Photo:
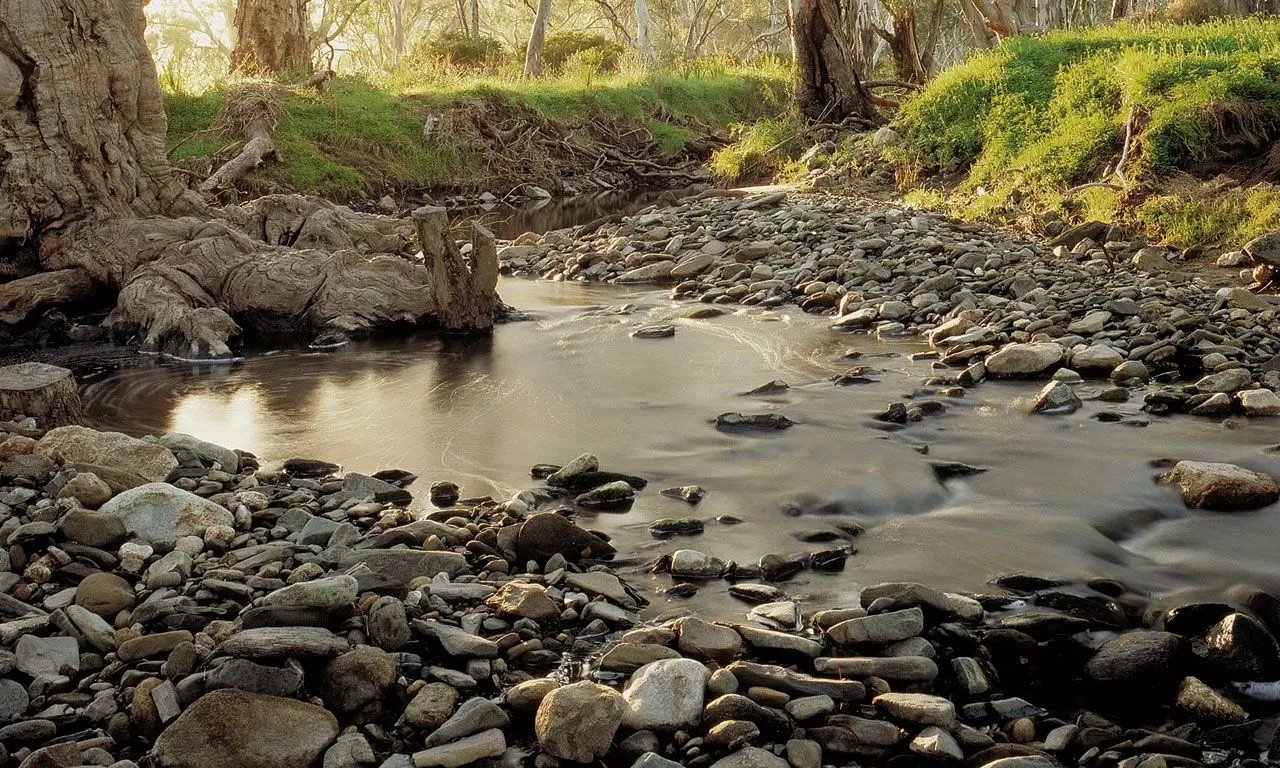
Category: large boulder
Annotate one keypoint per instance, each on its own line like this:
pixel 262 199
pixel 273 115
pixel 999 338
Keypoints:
pixel 1139 662
pixel 546 534
pixel 162 514
pixel 1222 487
pixel 1016 360
pixel 577 722
pixel 248 730
pixel 83 446
pixel 665 695
pixel 1265 249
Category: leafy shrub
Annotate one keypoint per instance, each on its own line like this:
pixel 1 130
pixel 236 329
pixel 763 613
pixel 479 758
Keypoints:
pixel 464 51
pixel 1194 11
pixel 598 50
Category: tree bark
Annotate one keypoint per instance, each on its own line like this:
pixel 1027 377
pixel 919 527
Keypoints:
pixel 826 49
pixel 87 196
pixel 46 392
pixel 1119 9
pixel 644 43
pixel 272 39
pixel 537 36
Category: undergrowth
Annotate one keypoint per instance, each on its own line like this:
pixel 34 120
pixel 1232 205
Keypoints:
pixel 357 138
pixel 1031 120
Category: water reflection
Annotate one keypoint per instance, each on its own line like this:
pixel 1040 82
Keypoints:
pixel 1065 496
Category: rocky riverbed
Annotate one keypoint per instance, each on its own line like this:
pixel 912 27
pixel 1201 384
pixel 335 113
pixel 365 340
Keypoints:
pixel 1091 302
pixel 172 602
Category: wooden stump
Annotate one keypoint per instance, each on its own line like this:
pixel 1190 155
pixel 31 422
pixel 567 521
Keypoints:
pixel 46 392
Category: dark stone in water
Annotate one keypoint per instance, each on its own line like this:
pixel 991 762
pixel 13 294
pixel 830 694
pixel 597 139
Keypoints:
pixel 829 560
pixel 756 594
pixel 729 520
pixel 289 616
pixel 1239 648
pixel 1044 625
pixel 772 388
pixel 1096 609
pixel 682 590
pixel 543 471
pixel 330 340
pixel 853 376
pixel 945 470
pixel 654 332
pixel 1024 583
pixel 357 486
pixel 687 493
pixel 1109 417
pixel 400 478
pixel 894 414
pixel 310 468
pixel 586 481
pixel 737 422
pixel 1145 662
pixel 444 493
pixel 1195 618
pixel 816 537
pixel 779 567
pixel 673 526
pixel 547 533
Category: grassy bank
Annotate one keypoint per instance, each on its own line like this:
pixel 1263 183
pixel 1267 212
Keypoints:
pixel 357 139
pixel 1023 126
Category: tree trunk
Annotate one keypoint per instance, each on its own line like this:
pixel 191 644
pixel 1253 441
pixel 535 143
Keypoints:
pixel 271 39
pixel 86 194
pixel 828 85
pixel 45 392
pixel 537 36
pixel 475 18
pixel 1119 9
pixel 82 122
pixel 644 44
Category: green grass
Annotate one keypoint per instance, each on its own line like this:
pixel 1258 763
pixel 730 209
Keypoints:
pixel 1041 115
pixel 357 138
pixel 763 150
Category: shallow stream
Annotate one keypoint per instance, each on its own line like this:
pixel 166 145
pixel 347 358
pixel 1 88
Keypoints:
pixel 1065 496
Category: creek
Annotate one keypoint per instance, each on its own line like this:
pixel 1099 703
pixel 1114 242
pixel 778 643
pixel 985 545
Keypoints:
pixel 1064 496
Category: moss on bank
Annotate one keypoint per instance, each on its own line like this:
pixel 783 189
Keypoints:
pixel 356 138
pixel 1024 124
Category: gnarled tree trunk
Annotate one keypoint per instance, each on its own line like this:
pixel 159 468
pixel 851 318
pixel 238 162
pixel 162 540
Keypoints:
pixel 89 201
pixel 827 48
pixel 272 39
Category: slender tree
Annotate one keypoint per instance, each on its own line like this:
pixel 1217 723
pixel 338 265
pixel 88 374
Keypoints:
pixel 537 36
pixel 644 43
pixel 272 39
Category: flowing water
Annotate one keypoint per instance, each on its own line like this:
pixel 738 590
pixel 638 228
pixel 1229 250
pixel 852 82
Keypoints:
pixel 1065 496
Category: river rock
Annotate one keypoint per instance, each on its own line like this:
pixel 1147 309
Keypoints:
pixel 907 669
pixel 933 743
pixel 528 696
pixel 917 708
pixel 1137 662
pixel 80 445
pixel 665 695
pixel 1056 397
pixel 751 757
pixel 1259 402
pixel 1228 381
pixel 1240 648
pixel 705 640
pixel 1222 487
pixel 88 489
pixel 93 529
pixel 161 514
pixel 475 715
pixel 327 594
pixel 517 598
pixel 395 568
pixel 1016 360
pixel 105 594
pixel 734 422
pixel 577 722
pixel 692 564
pixel 431 706
pixel 47 656
pixel 1098 357
pixel 628 657
pixel 1207 705
pixel 247 730
pixel 879 628
pixel 13 700
pixel 547 534
pixel 473 749
pixel 209 453
pixel 255 678
pixel 1265 248
pixel 388 624
pixel 356 678
pixel 283 642
pixel 607 495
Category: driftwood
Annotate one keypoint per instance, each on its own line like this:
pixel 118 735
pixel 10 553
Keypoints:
pixel 46 392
